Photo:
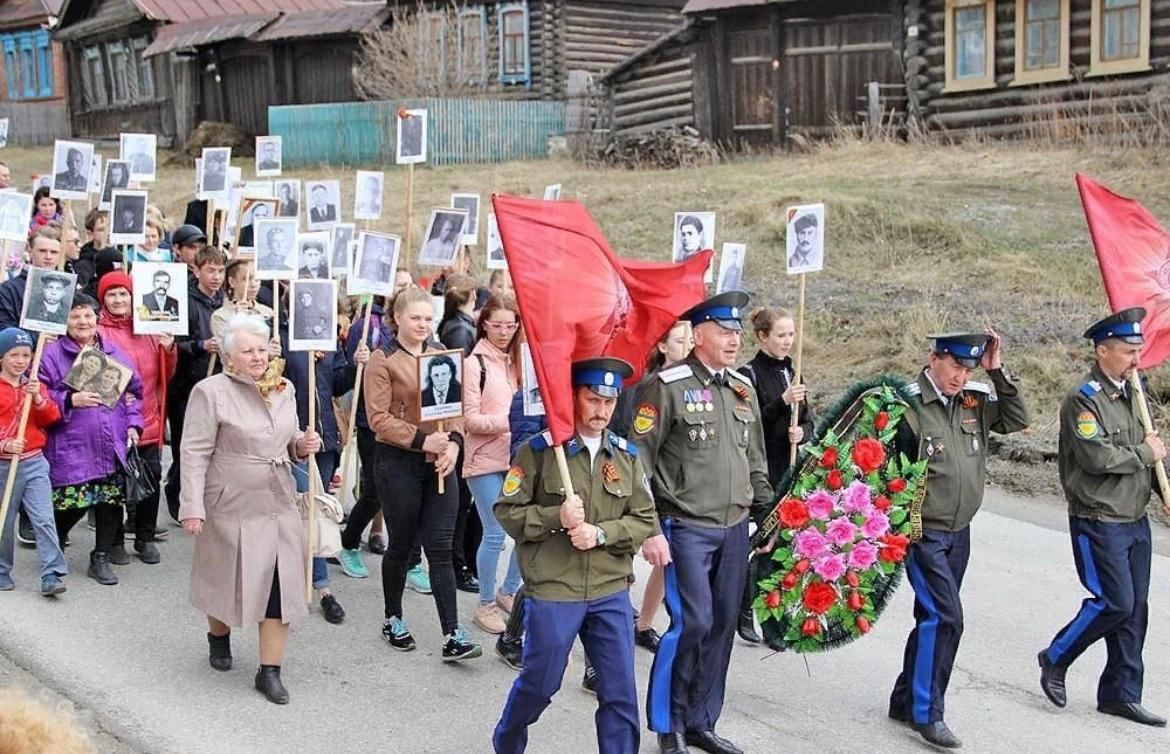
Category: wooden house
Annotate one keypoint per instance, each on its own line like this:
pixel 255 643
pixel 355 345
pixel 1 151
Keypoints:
pixel 32 81
pixel 162 66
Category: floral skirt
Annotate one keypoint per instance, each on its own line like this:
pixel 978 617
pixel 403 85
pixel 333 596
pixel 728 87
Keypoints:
pixel 109 490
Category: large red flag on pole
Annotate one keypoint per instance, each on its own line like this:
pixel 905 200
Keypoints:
pixel 1133 251
pixel 579 300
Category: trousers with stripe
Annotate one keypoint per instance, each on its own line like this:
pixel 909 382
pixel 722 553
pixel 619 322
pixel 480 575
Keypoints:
pixel 935 566
pixel 606 627
pixel 704 583
pixel 1113 563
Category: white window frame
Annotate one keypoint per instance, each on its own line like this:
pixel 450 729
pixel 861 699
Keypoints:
pixel 1100 67
pixel 986 81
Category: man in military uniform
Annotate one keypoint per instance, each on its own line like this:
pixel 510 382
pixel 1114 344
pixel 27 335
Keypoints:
pixel 1106 459
pixel 950 425
pixel 699 430
pixel 576 552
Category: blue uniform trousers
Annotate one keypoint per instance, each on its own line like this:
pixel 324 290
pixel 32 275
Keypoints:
pixel 606 627
pixel 935 566
pixel 704 586
pixel 1113 563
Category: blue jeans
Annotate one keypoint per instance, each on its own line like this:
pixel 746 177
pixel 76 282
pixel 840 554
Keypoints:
pixel 485 488
pixel 320 567
pixel 31 491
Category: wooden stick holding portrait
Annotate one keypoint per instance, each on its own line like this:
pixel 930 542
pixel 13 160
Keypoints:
pixel 805 253
pixel 314 478
pixel 1139 392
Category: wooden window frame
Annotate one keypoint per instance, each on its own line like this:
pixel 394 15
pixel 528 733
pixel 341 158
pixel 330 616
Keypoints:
pixel 1058 72
pixel 525 77
pixel 27 65
pixel 986 81
pixel 473 72
pixel 1100 67
pixel 98 95
pixel 144 70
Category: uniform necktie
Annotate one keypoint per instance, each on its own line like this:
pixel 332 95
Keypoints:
pixel 719 379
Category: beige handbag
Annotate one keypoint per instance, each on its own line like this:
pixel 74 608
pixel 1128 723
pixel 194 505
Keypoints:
pixel 329 517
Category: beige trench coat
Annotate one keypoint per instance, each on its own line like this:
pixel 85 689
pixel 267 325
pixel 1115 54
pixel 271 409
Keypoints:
pixel 236 478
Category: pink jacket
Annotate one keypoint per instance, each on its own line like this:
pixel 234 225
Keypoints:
pixel 487 439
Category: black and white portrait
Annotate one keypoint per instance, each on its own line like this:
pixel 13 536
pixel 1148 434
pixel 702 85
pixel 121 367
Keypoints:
pixel 160 290
pixel 42 181
pixel 47 300
pixel 289 194
pixel 552 192
pixel 367 196
pixel 340 237
pixel 312 315
pixel 93 371
pixel 268 156
pixel 324 199
pixel 806 238
pixel 215 181
pixel 470 204
pixel 441 242
pixel 412 137
pixel 693 232
pixel 72 161
pixel 15 210
pixel 128 217
pixel 276 250
pixel 140 151
pixel 495 245
pixel 117 177
pixel 86 368
pixel 374 265
pixel 3 132
pixel 731 267
pixel 533 403
pixel 252 209
pixel 95 175
pixel 441 392
pixel 313 255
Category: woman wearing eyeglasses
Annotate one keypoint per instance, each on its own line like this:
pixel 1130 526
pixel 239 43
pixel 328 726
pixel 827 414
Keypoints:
pixel 491 377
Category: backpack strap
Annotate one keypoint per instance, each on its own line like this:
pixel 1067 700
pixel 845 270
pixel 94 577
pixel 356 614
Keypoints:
pixel 482 372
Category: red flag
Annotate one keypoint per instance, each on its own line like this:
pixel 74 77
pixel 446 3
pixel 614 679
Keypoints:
pixel 579 300
pixel 1133 251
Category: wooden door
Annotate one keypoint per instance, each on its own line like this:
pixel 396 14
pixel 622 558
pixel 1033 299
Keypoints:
pixel 755 107
pixel 247 82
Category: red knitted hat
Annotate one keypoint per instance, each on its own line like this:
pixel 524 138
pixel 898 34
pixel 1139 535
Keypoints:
pixel 115 279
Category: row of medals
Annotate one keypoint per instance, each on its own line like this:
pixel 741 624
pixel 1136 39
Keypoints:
pixel 699 401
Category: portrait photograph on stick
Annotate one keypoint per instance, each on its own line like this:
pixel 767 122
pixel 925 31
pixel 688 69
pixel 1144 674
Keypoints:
pixel 214 168
pixel 289 194
pixel 47 300
pixel 495 245
pixel 324 201
pixel 374 264
pixel 367 195
pixel 312 315
pixel 693 232
pixel 117 176
pixel 15 210
pixel 128 217
pixel 252 209
pixel 533 403
pixel 95 175
pixel 313 255
pixel 552 192
pixel 806 238
pixel 276 250
pixel 72 161
pixel 412 137
pixel 731 267
pixel 140 150
pixel 441 244
pixel 469 203
pixel 268 156
pixel 340 237
pixel 160 290
pixel 441 394
pixel 95 372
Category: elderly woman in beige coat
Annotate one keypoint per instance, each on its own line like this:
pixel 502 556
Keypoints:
pixel 240 438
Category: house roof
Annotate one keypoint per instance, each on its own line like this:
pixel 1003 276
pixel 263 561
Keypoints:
pixel 179 11
pixel 649 50
pixel 352 19
pixel 22 13
pixel 206 31
pixel 702 6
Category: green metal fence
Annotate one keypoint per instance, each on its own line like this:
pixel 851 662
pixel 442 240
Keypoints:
pixel 458 131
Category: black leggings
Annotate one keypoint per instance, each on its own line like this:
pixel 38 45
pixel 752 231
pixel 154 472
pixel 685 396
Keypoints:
pixel 272 611
pixel 367 505
pixel 107 521
pixel 416 512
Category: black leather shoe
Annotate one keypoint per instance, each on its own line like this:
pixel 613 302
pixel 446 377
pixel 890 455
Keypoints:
pixel 332 610
pixel 939 735
pixel 747 627
pixel 99 569
pixel 673 743
pixel 466 582
pixel 511 652
pixel 708 741
pixel 1052 680
pixel 118 555
pixel 219 651
pixel 647 638
pixel 148 552
pixel 1132 711
pixel 268 683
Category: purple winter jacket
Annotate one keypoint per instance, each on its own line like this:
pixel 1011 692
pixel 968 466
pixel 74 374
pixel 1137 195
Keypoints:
pixel 88 443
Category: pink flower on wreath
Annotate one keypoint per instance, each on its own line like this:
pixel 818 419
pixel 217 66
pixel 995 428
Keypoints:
pixel 830 567
pixel 876 525
pixel 810 543
pixel 862 556
pixel 840 531
pixel 856 498
pixel 820 505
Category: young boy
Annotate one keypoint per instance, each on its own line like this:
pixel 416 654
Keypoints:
pixel 30 489
pixel 196 350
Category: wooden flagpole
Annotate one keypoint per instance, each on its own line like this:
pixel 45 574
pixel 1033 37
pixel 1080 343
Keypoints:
pixel 1139 393
pixel 797 365
pixel 25 410
pixel 314 477
pixel 409 210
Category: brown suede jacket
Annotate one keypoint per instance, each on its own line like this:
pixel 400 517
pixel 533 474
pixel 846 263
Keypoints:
pixel 392 398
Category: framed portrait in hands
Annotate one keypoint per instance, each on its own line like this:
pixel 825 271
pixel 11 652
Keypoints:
pixel 312 315
pixel 440 376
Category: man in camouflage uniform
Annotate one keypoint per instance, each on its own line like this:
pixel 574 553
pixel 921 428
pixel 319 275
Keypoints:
pixel 1106 459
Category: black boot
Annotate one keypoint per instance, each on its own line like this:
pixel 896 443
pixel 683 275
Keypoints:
pixel 268 683
pixel 100 570
pixel 118 555
pixel 219 651
pixel 747 627
pixel 147 552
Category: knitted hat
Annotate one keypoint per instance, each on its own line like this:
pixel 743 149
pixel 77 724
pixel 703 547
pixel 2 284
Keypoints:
pixel 115 279
pixel 13 337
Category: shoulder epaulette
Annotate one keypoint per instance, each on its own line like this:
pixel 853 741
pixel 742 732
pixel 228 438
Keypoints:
pixel 623 445
pixel 912 388
pixel 978 387
pixel 674 374
pixel 739 376
pixel 542 441
pixel 1090 388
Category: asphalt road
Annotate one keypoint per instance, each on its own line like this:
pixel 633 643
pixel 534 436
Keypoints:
pixel 132 658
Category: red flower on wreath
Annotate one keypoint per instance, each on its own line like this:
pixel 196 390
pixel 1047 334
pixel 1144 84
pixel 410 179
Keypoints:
pixel 852 579
pixel 897 485
pixel 863 625
pixel 881 502
pixel 881 420
pixel 772 601
pixel 835 480
pixel 818 598
pixel 811 627
pixel 869 455
pixel 894 548
pixel 829 459
pixel 793 513
pixel 801 566
pixel 789 581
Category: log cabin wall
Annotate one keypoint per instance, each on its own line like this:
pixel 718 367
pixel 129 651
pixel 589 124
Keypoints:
pixel 1080 86
pixel 655 92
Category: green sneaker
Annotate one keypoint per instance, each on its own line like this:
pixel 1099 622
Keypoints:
pixel 352 564
pixel 418 580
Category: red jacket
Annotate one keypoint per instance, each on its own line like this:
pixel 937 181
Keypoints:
pixel 154 365
pixel 11 401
